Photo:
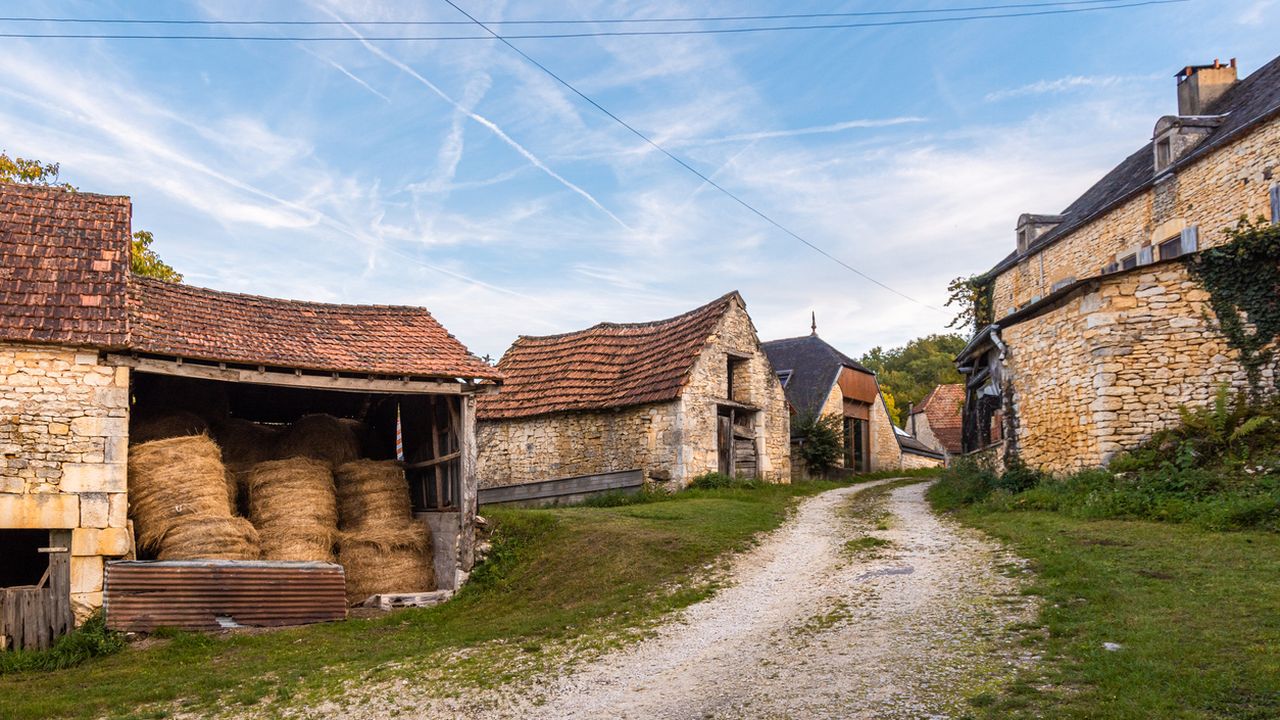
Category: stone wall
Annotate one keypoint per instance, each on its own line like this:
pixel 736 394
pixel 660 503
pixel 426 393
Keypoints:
pixel 63 444
pixel 1211 193
pixel 674 441
pixel 886 454
pixel 1111 366
pixel 918 425
pixel 912 461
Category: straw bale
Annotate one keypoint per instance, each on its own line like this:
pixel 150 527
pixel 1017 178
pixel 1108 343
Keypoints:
pixel 172 479
pixel 166 425
pixel 387 560
pixel 208 537
pixel 245 443
pixel 322 437
pixel 372 494
pixel 293 506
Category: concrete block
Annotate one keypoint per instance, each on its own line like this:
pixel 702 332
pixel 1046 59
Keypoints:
pixel 40 511
pixel 94 477
pixel 94 510
pixel 111 542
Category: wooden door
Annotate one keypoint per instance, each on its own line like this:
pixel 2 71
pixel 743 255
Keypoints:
pixel 32 617
pixel 724 443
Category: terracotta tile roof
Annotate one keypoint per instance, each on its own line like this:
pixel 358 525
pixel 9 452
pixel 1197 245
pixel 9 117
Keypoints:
pixel 197 323
pixel 944 406
pixel 63 265
pixel 605 366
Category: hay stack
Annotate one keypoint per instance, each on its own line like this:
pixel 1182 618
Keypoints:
pixel 293 506
pixel 387 560
pixel 178 499
pixel 372 494
pixel 322 437
pixel 167 425
pixel 245 444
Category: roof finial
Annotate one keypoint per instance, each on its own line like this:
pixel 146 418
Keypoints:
pixel 814 326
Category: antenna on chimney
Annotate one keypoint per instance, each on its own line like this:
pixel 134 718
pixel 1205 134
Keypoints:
pixel 814 326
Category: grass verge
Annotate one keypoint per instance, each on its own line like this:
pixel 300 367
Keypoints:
pixel 559 582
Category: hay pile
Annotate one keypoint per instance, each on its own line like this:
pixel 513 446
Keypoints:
pixel 383 549
pixel 372 493
pixel 293 506
pixel 321 437
pixel 245 444
pixel 167 425
pixel 387 560
pixel 179 502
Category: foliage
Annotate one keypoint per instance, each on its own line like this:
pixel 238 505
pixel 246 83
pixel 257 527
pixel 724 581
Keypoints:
pixel 821 441
pixel 721 481
pixel 1243 280
pixel 30 172
pixel 90 640
pixel 906 374
pixel 145 262
pixel 975 297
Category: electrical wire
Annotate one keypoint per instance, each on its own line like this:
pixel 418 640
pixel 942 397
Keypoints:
pixel 549 36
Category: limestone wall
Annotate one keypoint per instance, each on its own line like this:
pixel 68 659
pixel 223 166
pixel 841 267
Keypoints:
pixel 924 433
pixel 911 460
pixel 885 452
pixel 1212 192
pixel 63 444
pixel 1111 366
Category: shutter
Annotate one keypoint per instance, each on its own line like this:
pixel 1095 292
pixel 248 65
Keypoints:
pixel 1144 255
pixel 1190 239
pixel 1275 203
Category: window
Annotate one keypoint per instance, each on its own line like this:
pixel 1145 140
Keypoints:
pixel 1024 240
pixel 784 377
pixel 1275 203
pixel 1129 262
pixel 1164 154
pixel 1171 248
pixel 23 564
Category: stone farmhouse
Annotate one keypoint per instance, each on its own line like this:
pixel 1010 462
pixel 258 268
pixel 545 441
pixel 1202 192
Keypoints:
pixel 1098 332
pixel 937 420
pixel 674 399
pixel 86 347
pixel 821 380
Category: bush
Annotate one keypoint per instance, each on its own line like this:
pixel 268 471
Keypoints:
pixel 90 640
pixel 719 481
pixel 821 441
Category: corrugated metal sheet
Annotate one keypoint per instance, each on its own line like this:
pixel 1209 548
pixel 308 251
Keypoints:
pixel 212 594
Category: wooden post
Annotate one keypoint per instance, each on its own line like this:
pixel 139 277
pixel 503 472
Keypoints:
pixel 467 483
pixel 438 470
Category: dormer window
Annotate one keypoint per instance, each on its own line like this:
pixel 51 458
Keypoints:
pixel 1031 226
pixel 1176 135
pixel 1164 154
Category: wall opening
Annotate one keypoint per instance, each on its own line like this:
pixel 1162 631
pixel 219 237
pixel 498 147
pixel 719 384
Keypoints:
pixel 23 564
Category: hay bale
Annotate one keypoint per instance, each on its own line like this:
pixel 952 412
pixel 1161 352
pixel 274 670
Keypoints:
pixel 372 494
pixel 166 425
pixel 387 560
pixel 170 480
pixel 293 505
pixel 322 437
pixel 245 444
pixel 209 537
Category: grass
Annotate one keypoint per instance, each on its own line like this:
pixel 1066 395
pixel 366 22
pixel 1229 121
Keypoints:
pixel 560 583
pixel 1193 611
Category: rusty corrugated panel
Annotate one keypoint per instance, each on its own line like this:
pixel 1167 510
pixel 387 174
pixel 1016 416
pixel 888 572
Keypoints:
pixel 212 594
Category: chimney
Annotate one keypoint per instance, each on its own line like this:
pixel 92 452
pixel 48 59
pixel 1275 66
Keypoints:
pixel 911 415
pixel 1200 85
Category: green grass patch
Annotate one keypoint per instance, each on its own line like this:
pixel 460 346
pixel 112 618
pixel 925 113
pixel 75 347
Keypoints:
pixel 559 582
pixel 1192 611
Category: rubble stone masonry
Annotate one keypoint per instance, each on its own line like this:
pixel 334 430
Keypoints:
pixel 63 444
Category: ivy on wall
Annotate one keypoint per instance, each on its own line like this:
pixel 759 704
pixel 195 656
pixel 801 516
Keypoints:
pixel 1243 281
pixel 975 295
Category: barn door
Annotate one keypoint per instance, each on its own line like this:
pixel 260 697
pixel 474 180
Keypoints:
pixel 35 602
pixel 724 443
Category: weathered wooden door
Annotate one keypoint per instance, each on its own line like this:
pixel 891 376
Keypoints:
pixel 32 617
pixel 724 443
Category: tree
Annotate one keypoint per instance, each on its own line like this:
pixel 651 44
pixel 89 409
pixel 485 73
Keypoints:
pixel 908 373
pixel 974 296
pixel 821 441
pixel 142 261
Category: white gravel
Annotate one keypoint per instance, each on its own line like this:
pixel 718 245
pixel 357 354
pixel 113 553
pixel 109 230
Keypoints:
pixel 806 630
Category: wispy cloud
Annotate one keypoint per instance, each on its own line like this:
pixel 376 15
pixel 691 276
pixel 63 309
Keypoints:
pixel 815 130
pixel 1063 84
pixel 337 66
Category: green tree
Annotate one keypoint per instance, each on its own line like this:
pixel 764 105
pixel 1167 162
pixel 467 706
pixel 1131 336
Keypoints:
pixel 143 260
pixel 908 373
pixel 821 441
pixel 973 295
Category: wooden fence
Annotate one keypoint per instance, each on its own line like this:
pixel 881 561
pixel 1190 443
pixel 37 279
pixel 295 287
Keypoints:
pixel 563 490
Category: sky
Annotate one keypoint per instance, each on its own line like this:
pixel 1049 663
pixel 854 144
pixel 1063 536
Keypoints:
pixel 458 176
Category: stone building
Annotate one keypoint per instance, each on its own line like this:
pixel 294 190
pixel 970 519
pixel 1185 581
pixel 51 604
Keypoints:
pixel 821 380
pixel 936 421
pixel 675 398
pixel 1098 332
pixel 85 346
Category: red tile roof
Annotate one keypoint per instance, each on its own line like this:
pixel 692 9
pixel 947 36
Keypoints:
pixel 605 366
pixel 64 260
pixel 944 406
pixel 197 323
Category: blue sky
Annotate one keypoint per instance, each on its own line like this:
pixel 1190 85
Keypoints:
pixel 457 176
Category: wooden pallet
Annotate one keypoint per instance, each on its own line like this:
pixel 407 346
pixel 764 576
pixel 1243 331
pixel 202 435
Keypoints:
pixel 394 601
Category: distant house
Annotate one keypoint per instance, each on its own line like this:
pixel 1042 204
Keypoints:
pixel 937 420
pixel 821 380
pixel 916 454
pixel 675 398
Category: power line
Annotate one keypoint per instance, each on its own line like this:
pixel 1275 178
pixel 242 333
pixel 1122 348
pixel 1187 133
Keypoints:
pixel 596 21
pixel 705 178
pixel 549 36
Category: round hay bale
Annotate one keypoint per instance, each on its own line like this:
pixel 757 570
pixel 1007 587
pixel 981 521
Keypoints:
pixel 167 425
pixel 173 479
pixel 387 560
pixel 207 537
pixel 245 443
pixel 372 494
pixel 293 506
pixel 322 437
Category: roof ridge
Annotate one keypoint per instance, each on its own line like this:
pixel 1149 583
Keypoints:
pixel 645 324
pixel 200 289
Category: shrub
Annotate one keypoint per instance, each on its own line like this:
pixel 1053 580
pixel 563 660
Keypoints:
pixel 717 481
pixel 821 441
pixel 90 640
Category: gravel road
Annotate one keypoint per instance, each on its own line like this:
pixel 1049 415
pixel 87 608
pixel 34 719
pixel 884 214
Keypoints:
pixel 811 629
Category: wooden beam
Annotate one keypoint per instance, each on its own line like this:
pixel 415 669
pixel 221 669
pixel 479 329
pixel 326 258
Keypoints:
pixel 434 462
pixel 291 378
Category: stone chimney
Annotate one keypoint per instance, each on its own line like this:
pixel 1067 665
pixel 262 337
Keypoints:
pixel 1200 85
